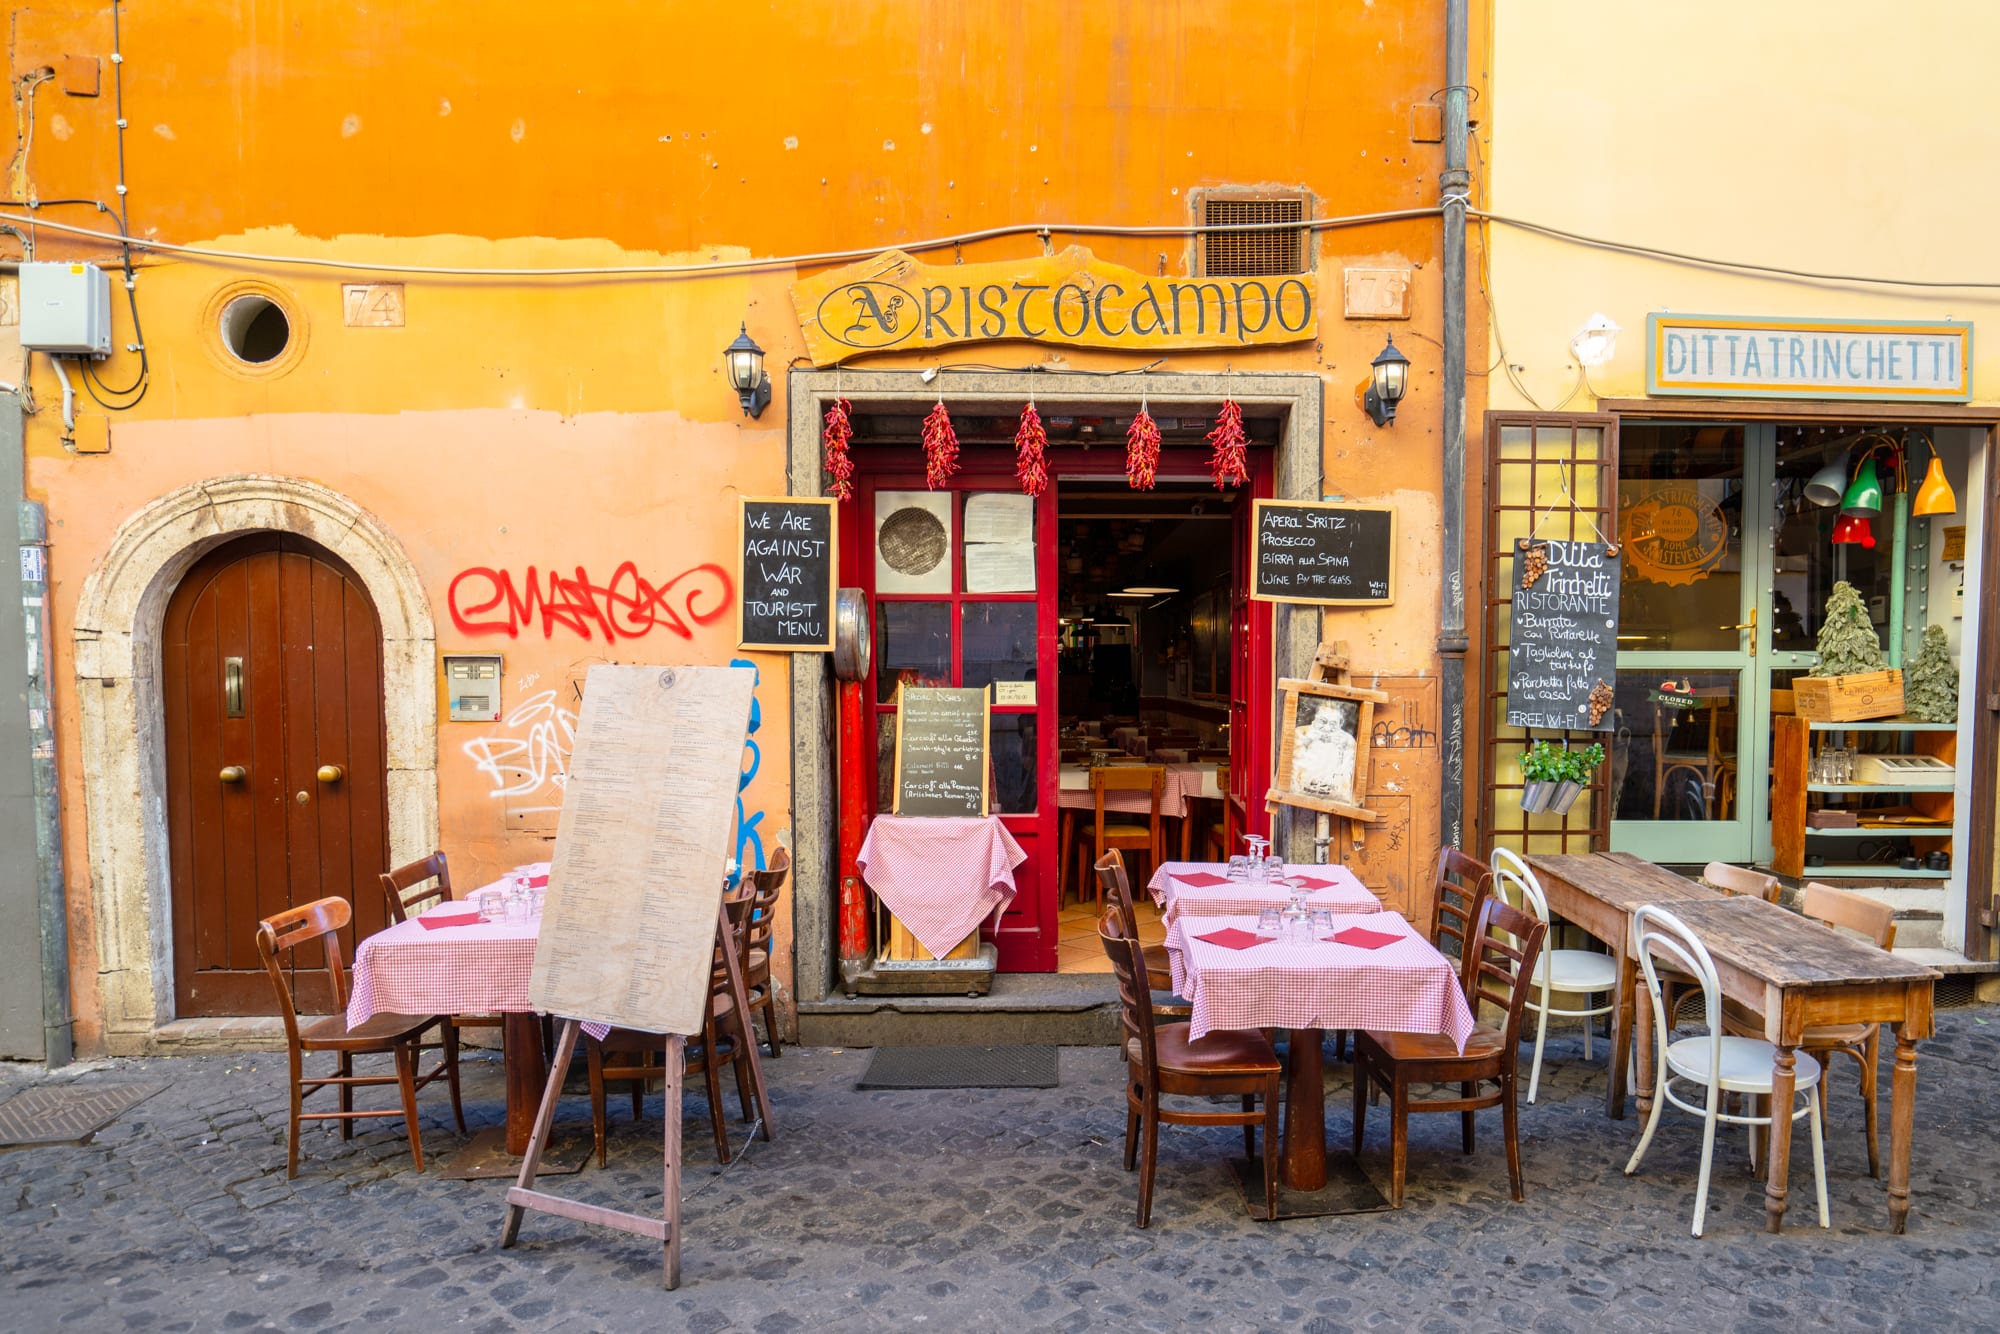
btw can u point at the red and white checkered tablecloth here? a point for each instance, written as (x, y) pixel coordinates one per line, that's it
(1407, 987)
(941, 877)
(1248, 898)
(1181, 782)
(413, 969)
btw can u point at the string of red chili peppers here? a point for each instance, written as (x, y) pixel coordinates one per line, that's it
(1031, 443)
(1229, 464)
(940, 447)
(1142, 449)
(835, 435)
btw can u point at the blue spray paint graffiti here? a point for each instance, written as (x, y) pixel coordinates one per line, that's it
(746, 826)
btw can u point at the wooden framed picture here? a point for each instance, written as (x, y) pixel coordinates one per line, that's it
(1323, 747)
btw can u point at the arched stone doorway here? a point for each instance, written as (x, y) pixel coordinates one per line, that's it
(117, 636)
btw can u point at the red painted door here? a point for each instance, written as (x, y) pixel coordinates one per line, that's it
(272, 668)
(961, 591)
(1253, 680)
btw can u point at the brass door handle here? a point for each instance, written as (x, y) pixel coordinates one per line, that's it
(331, 773)
(1751, 626)
(233, 773)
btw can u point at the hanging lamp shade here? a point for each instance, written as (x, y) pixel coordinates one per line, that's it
(1852, 529)
(1935, 495)
(1864, 493)
(1829, 484)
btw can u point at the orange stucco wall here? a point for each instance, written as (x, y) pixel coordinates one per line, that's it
(564, 423)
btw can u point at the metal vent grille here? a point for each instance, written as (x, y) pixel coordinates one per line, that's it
(1253, 254)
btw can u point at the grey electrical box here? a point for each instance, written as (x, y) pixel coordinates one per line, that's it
(65, 309)
(472, 687)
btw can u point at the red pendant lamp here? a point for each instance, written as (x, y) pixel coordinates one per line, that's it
(1853, 529)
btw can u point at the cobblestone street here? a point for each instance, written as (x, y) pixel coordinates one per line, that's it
(983, 1210)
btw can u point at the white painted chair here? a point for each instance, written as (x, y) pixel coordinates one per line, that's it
(1714, 1062)
(1568, 972)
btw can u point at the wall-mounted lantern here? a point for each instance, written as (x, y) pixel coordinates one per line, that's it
(745, 362)
(1388, 378)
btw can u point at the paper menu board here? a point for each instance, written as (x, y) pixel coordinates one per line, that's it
(628, 926)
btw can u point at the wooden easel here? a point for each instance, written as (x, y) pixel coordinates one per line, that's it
(1330, 666)
(522, 1196)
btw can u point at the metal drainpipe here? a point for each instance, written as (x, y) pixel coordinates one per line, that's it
(1452, 644)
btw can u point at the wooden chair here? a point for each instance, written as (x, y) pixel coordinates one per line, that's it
(1876, 922)
(278, 936)
(632, 1057)
(409, 890)
(1505, 946)
(1159, 969)
(1161, 1059)
(765, 885)
(1704, 765)
(1459, 888)
(1733, 880)
(1122, 831)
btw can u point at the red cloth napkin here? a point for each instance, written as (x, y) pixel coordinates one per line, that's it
(1201, 879)
(1362, 938)
(538, 881)
(1313, 882)
(1232, 938)
(432, 923)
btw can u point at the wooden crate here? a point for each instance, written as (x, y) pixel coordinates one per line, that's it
(903, 946)
(1849, 699)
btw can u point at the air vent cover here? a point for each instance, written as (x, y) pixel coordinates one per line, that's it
(1258, 254)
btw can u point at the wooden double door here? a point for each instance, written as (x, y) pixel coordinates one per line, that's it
(275, 762)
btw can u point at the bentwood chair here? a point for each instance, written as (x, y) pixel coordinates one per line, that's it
(765, 886)
(637, 1058)
(1159, 968)
(1712, 1062)
(1122, 831)
(1583, 973)
(1502, 950)
(396, 1035)
(1163, 1060)
(1734, 880)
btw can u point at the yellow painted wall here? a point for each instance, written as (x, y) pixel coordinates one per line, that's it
(584, 422)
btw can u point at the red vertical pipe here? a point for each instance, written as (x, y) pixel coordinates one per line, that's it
(853, 828)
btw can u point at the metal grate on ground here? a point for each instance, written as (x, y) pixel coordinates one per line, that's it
(68, 1114)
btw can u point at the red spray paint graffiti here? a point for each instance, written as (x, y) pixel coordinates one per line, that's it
(485, 601)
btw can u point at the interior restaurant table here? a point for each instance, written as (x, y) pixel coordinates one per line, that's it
(1772, 962)
(474, 968)
(1204, 889)
(1183, 783)
(1401, 984)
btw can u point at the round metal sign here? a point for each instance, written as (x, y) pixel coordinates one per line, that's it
(853, 642)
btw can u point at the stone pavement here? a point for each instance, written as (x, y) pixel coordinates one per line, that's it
(983, 1210)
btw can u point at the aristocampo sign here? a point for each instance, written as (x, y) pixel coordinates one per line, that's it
(1074, 298)
(1924, 361)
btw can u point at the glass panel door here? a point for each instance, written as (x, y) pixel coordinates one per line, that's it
(1690, 698)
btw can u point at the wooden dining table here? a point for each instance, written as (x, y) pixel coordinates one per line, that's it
(1791, 972)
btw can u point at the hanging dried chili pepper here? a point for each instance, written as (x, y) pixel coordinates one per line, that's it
(1031, 444)
(839, 429)
(1229, 464)
(940, 447)
(1142, 450)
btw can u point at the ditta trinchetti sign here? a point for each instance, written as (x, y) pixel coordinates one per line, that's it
(1072, 298)
(1921, 361)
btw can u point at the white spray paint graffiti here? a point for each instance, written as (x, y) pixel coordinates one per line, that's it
(522, 764)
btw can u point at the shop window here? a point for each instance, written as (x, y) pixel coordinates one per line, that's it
(1273, 251)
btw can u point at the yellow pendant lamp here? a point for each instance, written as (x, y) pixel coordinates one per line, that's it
(1934, 495)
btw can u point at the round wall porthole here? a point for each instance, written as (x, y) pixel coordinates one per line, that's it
(255, 329)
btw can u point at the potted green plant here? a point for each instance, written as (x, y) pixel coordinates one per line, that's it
(1542, 767)
(1574, 770)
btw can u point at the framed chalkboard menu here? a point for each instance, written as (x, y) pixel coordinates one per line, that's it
(786, 573)
(941, 765)
(1562, 644)
(1321, 551)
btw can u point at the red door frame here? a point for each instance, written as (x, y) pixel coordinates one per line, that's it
(1027, 934)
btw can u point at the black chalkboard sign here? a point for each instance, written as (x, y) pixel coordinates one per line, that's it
(787, 567)
(1315, 551)
(1562, 646)
(940, 751)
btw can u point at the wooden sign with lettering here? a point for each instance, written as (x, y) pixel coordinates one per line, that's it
(786, 573)
(1562, 644)
(1071, 298)
(628, 927)
(1315, 551)
(941, 743)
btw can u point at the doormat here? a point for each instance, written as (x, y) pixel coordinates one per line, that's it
(68, 1114)
(1347, 1191)
(961, 1068)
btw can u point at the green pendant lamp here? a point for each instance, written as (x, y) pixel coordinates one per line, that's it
(1864, 494)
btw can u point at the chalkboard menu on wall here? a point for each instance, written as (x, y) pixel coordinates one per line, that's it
(1313, 551)
(787, 574)
(1562, 647)
(940, 751)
